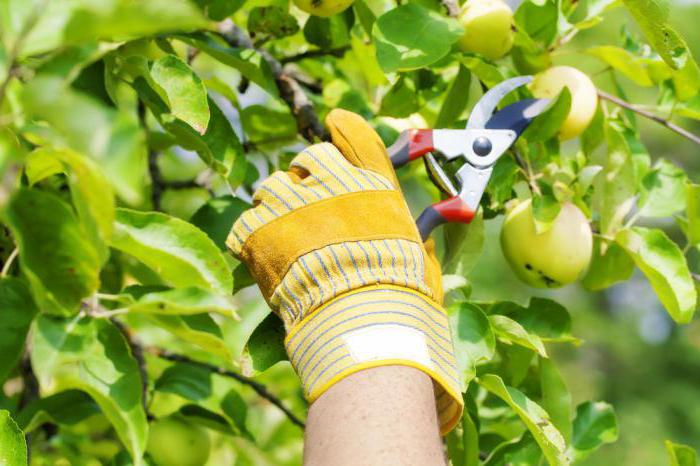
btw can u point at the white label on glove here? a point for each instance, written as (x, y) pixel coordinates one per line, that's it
(388, 342)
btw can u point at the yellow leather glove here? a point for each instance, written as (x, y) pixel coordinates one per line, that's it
(336, 253)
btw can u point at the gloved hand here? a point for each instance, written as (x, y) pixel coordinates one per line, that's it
(336, 253)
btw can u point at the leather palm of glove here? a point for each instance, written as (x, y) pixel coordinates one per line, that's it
(336, 253)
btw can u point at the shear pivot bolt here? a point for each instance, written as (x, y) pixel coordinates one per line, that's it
(482, 146)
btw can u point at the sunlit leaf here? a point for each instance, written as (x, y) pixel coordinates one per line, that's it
(663, 190)
(534, 417)
(404, 48)
(92, 355)
(556, 399)
(680, 455)
(199, 329)
(13, 447)
(176, 250)
(186, 95)
(511, 332)
(57, 257)
(664, 265)
(609, 265)
(473, 338)
(181, 301)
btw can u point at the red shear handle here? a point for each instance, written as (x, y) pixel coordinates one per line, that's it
(450, 210)
(410, 145)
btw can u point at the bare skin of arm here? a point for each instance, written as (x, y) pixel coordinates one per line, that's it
(376, 417)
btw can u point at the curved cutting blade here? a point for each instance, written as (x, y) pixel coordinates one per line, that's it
(485, 107)
(518, 116)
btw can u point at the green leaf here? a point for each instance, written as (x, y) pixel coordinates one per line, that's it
(521, 452)
(199, 329)
(665, 267)
(538, 19)
(456, 99)
(180, 301)
(402, 99)
(662, 192)
(185, 92)
(90, 191)
(271, 20)
(176, 250)
(427, 40)
(545, 208)
(624, 61)
(56, 255)
(64, 408)
(463, 245)
(543, 317)
(463, 444)
(680, 455)
(556, 399)
(17, 310)
(533, 416)
(510, 332)
(615, 186)
(92, 355)
(692, 196)
(329, 33)
(13, 448)
(190, 381)
(82, 123)
(265, 346)
(218, 147)
(547, 124)
(610, 264)
(80, 21)
(247, 61)
(216, 217)
(473, 338)
(265, 123)
(219, 9)
(653, 18)
(595, 424)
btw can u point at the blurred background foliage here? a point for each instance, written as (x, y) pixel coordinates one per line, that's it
(631, 355)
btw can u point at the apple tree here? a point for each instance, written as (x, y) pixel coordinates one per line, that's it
(132, 135)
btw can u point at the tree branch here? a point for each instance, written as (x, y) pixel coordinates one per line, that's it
(259, 388)
(337, 52)
(308, 123)
(647, 114)
(452, 7)
(137, 353)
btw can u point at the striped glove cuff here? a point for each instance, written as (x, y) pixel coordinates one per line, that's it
(377, 325)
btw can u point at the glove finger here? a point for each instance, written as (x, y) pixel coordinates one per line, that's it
(331, 174)
(360, 144)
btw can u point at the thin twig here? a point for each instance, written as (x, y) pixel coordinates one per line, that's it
(452, 7)
(8, 263)
(647, 114)
(259, 388)
(336, 52)
(137, 353)
(308, 123)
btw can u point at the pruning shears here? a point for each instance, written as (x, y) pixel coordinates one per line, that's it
(485, 139)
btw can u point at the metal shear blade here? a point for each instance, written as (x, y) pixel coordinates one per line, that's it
(485, 139)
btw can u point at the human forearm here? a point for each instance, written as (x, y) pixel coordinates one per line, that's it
(379, 416)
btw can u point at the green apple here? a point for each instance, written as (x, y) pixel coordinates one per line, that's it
(584, 96)
(323, 8)
(550, 259)
(488, 28)
(175, 442)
